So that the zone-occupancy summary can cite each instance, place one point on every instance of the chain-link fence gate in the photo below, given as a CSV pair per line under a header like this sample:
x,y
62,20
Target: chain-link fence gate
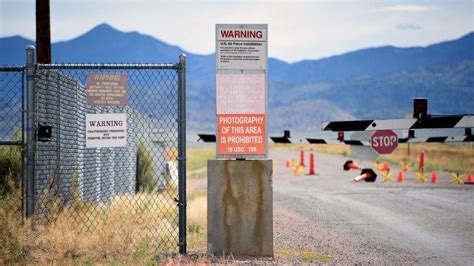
x,y
130,177
12,140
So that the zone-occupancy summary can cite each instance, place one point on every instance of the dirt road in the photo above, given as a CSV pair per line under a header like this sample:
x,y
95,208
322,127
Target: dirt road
x,y
371,222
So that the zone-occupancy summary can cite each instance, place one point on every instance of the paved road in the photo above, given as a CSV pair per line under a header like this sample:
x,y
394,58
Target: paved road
x,y
371,222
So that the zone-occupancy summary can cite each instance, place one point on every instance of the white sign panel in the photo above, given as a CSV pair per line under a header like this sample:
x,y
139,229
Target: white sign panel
x,y
106,130
242,47
240,93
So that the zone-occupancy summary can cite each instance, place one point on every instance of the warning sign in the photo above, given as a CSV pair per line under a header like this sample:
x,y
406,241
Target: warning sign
x,y
106,130
241,91
241,134
107,89
241,46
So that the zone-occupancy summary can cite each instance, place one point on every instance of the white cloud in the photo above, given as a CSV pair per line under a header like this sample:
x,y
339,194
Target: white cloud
x,y
407,8
407,26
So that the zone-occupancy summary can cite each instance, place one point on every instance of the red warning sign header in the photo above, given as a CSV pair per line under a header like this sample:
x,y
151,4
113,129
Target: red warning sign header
x,y
241,34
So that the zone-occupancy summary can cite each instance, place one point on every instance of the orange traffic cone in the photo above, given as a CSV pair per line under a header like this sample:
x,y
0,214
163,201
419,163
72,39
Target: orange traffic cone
x,y
400,177
384,167
422,161
469,179
312,170
348,165
367,174
405,167
302,156
434,178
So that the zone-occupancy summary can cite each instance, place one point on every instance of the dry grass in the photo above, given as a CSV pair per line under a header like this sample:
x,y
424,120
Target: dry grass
x,y
197,224
340,149
197,157
304,256
197,200
132,228
438,157
129,229
171,153
196,175
13,236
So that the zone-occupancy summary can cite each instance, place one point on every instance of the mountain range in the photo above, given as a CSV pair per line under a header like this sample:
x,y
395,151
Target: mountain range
x,y
371,83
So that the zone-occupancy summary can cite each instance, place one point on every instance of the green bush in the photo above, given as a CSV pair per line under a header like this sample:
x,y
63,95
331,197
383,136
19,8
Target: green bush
x,y
146,179
10,167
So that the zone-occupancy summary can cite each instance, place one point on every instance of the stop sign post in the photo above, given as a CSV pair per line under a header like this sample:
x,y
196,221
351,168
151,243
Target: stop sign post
x,y
384,141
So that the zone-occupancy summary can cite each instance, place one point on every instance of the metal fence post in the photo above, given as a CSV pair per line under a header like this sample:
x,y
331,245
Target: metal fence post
x,y
30,130
182,152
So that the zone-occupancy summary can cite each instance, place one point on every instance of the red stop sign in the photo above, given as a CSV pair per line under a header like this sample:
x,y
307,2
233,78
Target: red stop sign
x,y
384,141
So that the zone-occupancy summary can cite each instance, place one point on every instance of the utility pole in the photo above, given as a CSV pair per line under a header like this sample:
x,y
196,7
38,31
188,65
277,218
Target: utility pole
x,y
43,32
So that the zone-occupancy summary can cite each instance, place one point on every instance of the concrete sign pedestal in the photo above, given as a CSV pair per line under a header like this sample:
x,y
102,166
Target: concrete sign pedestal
x,y
240,207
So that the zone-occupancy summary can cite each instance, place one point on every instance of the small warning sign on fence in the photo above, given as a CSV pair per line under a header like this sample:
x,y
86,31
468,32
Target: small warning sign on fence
x,y
106,130
104,89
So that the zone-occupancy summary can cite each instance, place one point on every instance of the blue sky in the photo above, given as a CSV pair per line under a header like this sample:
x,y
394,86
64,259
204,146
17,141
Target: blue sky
x,y
297,29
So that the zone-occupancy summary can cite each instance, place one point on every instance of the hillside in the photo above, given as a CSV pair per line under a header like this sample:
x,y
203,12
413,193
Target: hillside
x,y
369,83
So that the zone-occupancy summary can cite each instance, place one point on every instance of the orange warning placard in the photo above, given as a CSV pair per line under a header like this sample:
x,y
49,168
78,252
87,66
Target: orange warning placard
x,y
241,134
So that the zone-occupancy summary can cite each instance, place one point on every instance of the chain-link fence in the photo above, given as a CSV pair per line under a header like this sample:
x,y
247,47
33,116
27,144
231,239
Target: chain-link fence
x,y
12,140
102,156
